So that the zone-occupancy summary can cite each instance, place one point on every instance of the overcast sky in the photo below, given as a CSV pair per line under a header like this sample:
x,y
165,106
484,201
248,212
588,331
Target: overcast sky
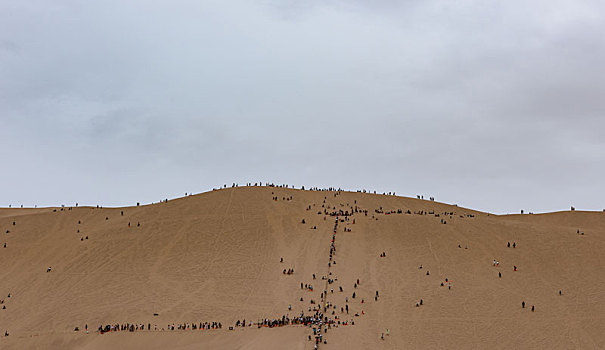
x,y
493,105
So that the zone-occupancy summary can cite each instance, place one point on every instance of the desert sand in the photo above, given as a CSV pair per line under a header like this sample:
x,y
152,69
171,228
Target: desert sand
x,y
217,257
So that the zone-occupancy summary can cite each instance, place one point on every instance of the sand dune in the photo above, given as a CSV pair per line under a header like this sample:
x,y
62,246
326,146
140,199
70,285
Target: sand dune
x,y
216,257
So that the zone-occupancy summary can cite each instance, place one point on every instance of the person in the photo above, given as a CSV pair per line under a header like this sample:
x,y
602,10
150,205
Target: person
x,y
532,308
499,274
49,269
523,304
514,268
514,244
559,292
508,245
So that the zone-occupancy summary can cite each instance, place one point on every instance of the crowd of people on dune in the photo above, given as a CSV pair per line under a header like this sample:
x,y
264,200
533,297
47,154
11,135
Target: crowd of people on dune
x,y
321,315
317,189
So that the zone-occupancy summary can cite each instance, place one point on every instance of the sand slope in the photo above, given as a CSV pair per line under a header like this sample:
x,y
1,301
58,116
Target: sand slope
x,y
216,257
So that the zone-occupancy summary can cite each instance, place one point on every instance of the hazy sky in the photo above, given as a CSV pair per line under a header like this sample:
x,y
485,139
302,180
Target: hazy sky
x,y
494,105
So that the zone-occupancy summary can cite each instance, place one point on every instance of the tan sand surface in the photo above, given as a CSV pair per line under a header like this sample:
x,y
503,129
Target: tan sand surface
x,y
216,257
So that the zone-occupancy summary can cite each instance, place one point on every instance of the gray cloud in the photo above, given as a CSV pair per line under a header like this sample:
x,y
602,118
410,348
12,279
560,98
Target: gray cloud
x,y
496,106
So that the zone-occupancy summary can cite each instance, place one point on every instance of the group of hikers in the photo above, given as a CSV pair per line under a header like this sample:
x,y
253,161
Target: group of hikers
x,y
132,327
2,302
317,189
8,231
276,198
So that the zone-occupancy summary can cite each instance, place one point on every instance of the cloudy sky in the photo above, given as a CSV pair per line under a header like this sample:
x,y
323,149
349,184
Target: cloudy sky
x,y
494,105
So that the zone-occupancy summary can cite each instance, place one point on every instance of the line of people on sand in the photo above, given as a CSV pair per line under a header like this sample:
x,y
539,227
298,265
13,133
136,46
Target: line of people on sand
x,y
317,331
317,308
2,302
276,198
315,189
380,210
308,287
338,213
134,327
8,231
